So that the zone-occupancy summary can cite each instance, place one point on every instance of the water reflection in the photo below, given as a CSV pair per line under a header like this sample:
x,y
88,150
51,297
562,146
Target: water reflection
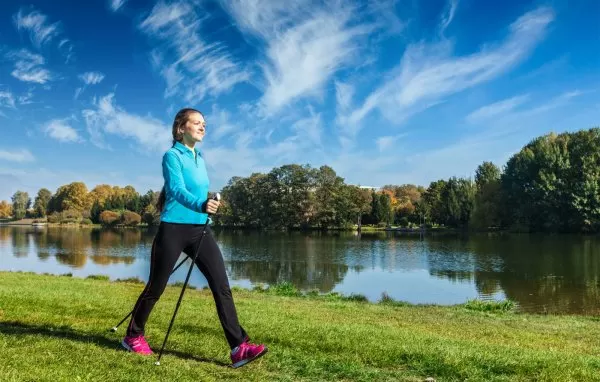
x,y
541,273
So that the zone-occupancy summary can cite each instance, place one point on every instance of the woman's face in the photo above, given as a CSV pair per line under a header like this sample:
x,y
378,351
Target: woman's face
x,y
195,128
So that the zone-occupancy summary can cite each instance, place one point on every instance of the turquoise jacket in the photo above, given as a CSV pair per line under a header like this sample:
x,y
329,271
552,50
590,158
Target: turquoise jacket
x,y
186,186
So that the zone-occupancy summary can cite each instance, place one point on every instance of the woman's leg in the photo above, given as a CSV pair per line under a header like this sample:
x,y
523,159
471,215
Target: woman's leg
x,y
166,248
210,262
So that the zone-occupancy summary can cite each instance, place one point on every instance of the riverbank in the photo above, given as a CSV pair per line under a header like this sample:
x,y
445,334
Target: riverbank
x,y
56,328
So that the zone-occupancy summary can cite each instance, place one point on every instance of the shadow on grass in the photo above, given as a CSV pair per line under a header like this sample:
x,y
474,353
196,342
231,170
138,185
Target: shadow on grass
x,y
65,332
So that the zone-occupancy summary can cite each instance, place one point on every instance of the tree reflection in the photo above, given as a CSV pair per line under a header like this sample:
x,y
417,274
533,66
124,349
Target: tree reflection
x,y
308,260
541,273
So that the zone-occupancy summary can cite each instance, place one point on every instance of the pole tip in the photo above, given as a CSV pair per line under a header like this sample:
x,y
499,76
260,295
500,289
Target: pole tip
x,y
114,329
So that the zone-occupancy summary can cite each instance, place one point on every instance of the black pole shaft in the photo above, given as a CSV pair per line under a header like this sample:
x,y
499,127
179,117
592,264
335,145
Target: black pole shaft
x,y
187,278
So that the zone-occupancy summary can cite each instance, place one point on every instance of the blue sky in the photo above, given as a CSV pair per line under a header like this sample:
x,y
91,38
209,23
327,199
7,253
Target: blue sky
x,y
383,91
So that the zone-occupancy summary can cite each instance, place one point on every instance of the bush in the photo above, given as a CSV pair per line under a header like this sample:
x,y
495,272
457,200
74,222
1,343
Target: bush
x,y
54,217
130,218
71,215
109,218
86,222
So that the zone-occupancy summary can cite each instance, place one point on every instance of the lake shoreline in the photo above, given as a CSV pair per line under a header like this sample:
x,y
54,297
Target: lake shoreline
x,y
66,328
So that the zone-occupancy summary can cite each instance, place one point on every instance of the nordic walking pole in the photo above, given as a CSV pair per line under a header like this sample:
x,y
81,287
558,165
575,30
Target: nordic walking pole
x,y
217,198
114,328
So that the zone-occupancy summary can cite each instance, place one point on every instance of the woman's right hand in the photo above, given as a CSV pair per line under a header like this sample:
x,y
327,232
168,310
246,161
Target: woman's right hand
x,y
212,206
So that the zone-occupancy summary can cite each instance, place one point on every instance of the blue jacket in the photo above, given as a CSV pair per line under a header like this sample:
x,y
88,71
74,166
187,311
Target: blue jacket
x,y
186,186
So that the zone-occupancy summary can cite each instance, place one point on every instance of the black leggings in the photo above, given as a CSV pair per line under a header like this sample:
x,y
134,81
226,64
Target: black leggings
x,y
172,239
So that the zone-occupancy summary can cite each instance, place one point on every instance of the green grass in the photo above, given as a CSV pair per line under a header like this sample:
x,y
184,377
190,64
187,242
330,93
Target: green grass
x,y
57,329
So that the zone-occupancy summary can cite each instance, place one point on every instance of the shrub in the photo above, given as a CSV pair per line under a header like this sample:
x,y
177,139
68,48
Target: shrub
x,y
130,218
109,218
71,215
86,221
54,217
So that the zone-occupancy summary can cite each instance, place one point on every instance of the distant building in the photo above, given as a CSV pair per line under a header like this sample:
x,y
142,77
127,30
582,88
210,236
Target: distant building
x,y
370,188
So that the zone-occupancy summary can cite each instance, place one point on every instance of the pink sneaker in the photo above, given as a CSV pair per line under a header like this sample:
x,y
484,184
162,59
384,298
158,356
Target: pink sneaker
x,y
245,353
136,345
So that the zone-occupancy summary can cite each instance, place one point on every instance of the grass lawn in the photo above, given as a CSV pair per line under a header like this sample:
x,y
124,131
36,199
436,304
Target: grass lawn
x,y
56,328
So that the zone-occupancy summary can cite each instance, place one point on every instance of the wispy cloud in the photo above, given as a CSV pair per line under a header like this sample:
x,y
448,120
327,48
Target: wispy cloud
x,y
41,31
116,4
191,67
429,72
61,130
220,124
386,142
22,155
7,99
29,67
91,78
108,118
88,78
25,99
496,108
306,44
448,15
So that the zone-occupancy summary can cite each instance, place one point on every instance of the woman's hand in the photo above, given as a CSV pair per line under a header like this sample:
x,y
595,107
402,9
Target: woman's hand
x,y
212,206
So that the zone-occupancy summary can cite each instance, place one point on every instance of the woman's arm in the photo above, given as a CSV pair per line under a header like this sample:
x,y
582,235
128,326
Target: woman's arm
x,y
174,182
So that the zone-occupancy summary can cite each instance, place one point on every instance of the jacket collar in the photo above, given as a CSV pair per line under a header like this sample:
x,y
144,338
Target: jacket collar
x,y
185,150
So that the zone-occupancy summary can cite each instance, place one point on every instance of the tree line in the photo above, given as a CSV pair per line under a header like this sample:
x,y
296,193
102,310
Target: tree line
x,y
73,203
551,185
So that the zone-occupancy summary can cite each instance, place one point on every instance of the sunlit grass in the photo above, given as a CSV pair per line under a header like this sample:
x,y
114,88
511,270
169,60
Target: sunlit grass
x,y
57,329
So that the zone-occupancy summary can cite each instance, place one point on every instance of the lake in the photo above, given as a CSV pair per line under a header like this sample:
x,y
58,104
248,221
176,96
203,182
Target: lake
x,y
541,273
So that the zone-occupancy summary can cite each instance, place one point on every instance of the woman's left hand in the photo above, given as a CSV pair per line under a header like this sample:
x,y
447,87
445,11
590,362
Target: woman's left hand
x,y
212,206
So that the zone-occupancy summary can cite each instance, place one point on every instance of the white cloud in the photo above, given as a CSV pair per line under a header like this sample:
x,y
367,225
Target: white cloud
x,y
91,78
21,155
307,44
219,124
29,67
7,99
386,142
108,118
116,4
448,16
36,23
427,73
191,67
496,108
61,131
25,99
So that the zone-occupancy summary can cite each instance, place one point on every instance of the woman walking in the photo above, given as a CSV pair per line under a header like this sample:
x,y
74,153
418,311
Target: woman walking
x,y
184,208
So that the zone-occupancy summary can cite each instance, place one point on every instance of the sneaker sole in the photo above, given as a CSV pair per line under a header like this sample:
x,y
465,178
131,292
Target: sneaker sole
x,y
248,360
129,348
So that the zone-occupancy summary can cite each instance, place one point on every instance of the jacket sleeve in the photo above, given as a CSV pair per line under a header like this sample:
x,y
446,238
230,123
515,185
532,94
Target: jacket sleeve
x,y
174,183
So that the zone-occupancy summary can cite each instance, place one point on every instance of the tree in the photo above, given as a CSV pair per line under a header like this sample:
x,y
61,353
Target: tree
x,y
73,196
553,184
20,204
433,200
328,189
486,209
486,173
40,204
6,210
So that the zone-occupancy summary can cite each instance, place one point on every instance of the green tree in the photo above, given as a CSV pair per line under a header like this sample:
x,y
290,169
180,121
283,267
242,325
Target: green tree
x,y
488,198
553,183
40,204
328,190
432,198
20,204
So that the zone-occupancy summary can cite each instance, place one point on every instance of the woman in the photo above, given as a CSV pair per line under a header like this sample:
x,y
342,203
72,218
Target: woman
x,y
184,207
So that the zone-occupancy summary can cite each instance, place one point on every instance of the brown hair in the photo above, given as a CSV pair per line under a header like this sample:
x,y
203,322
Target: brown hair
x,y
179,122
